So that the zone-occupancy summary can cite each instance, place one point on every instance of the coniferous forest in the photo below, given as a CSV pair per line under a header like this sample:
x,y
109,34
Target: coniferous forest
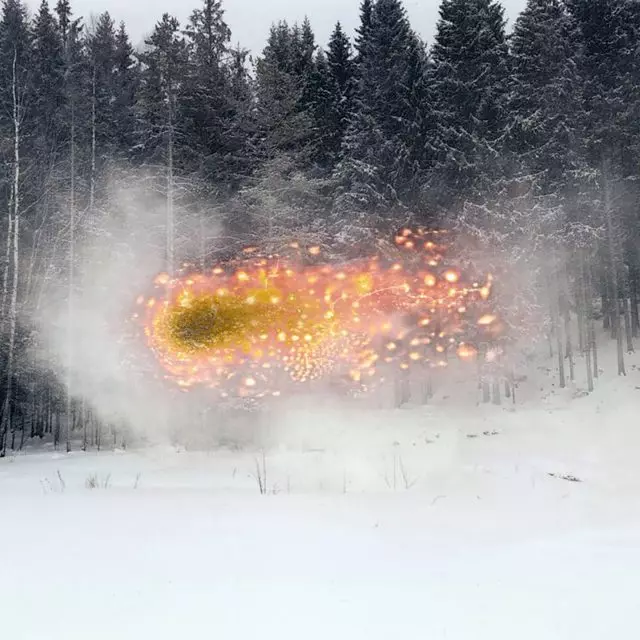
x,y
526,142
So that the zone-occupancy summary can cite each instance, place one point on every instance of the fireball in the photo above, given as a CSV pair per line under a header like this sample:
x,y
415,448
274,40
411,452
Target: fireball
x,y
259,326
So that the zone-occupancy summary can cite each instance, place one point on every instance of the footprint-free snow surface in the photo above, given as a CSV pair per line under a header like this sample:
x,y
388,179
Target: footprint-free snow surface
x,y
436,522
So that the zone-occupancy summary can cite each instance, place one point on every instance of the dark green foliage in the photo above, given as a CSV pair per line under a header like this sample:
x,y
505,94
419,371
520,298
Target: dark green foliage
x,y
164,67
469,85
284,82
385,153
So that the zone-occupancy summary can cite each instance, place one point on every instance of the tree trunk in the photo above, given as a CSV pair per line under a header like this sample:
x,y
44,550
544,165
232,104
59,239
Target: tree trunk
x,y
92,185
6,425
555,323
591,323
614,266
569,344
170,191
495,391
635,312
7,262
627,325
71,310
585,314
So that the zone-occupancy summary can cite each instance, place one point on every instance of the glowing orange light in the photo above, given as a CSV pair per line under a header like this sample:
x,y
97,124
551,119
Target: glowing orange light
x,y
270,314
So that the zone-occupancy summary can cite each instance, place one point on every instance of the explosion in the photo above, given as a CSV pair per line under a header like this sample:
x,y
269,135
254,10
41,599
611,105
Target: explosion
x,y
252,327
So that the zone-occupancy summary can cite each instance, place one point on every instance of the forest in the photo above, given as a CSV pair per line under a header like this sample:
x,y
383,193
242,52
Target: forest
x,y
524,142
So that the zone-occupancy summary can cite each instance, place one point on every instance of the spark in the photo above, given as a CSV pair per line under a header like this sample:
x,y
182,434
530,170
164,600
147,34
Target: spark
x,y
251,326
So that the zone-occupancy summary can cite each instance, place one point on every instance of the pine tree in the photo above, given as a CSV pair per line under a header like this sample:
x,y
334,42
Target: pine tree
x,y
78,156
470,73
164,61
336,88
363,30
101,45
206,106
48,85
609,31
47,145
241,133
530,219
384,149
284,100
64,13
324,108
545,98
125,86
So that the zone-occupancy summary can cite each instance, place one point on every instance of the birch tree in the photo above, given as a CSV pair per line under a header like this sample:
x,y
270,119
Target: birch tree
x,y
14,49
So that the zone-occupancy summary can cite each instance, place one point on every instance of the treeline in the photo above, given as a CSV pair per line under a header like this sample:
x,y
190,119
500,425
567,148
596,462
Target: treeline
x,y
527,144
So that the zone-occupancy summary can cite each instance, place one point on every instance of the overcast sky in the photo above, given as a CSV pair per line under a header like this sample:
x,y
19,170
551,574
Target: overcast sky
x,y
250,19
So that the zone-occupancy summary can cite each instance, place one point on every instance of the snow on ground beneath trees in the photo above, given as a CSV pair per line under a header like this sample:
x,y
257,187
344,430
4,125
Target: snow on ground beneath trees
x,y
450,521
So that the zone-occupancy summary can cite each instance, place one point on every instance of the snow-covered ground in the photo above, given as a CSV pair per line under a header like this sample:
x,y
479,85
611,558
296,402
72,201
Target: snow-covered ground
x,y
450,521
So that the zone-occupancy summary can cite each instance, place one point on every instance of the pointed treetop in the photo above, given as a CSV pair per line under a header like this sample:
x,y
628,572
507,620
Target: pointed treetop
x,y
209,33
362,32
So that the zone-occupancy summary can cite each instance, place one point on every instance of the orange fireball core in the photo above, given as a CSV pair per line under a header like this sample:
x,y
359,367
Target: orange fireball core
x,y
253,329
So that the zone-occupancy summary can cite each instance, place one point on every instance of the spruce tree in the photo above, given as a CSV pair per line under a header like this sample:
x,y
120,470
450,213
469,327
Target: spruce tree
x,y
545,103
284,77
338,86
161,139
324,108
362,32
101,49
241,134
164,62
126,82
384,151
205,105
470,73
48,84
609,32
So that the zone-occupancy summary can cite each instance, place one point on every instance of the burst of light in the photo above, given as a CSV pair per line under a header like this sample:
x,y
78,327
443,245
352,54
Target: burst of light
x,y
249,327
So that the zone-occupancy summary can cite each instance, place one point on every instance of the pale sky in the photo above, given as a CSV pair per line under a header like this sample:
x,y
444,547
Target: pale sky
x,y
250,19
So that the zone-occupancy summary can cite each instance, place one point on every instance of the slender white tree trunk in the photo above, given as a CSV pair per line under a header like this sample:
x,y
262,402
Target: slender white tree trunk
x,y
7,260
170,202
613,257
585,313
92,188
72,256
15,249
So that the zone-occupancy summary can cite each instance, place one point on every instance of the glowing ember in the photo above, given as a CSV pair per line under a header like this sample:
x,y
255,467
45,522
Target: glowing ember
x,y
250,329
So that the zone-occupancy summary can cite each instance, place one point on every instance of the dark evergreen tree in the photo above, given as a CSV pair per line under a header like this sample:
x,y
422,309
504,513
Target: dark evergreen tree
x,y
545,102
126,82
384,151
609,32
241,137
324,110
362,32
48,85
101,49
164,62
284,94
205,106
336,89
528,218
470,73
